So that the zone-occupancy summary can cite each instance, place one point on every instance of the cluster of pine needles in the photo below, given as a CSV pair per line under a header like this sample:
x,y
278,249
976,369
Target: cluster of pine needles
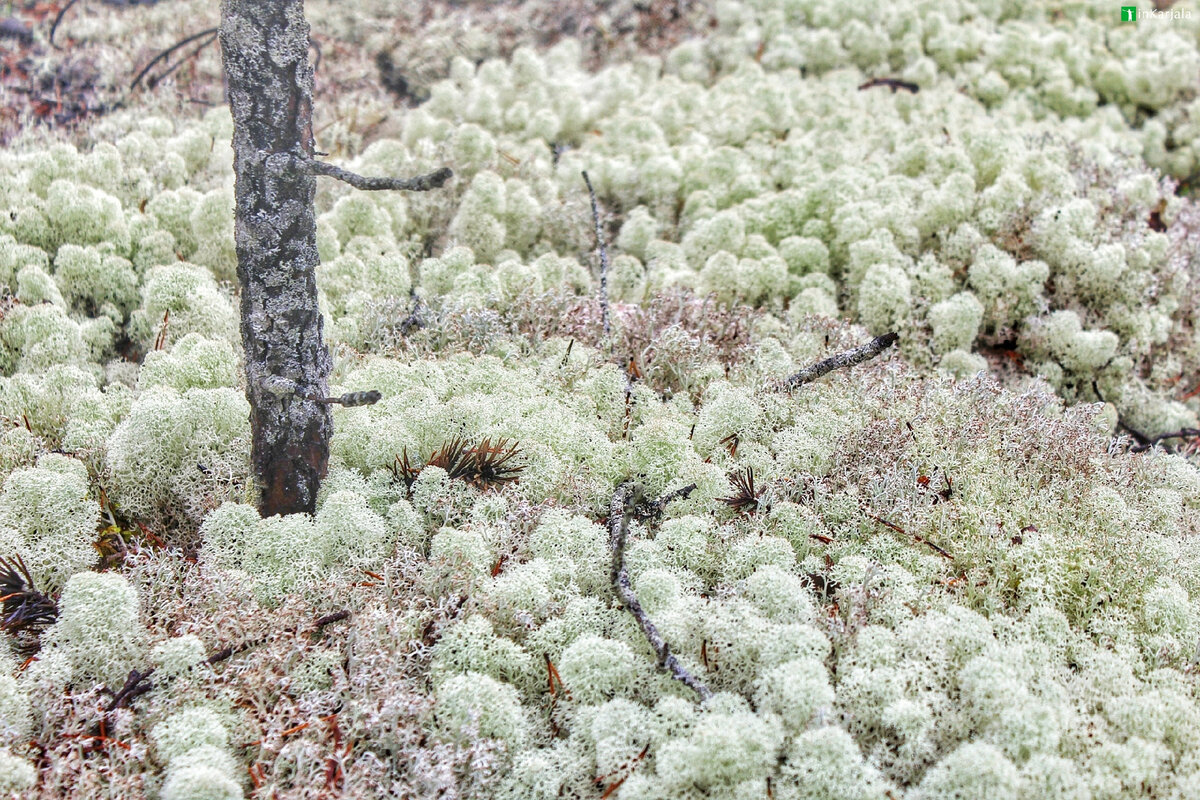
x,y
485,465
27,612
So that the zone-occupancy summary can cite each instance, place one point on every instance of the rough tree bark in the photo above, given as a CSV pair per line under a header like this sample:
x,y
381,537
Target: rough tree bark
x,y
264,46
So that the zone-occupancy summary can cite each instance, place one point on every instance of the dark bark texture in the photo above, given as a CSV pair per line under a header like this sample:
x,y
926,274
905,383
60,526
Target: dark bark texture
x,y
264,45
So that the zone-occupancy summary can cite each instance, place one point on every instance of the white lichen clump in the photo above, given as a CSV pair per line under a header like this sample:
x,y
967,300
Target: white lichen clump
x,y
931,576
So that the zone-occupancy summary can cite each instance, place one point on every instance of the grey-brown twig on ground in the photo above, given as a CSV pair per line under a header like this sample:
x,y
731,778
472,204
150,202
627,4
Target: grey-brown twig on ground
x,y
846,359
624,502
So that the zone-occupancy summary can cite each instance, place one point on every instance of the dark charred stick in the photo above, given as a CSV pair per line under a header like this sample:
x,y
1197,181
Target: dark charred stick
x,y
153,81
413,319
329,619
603,254
421,183
891,83
167,54
62,12
228,652
849,358
135,686
1149,443
620,512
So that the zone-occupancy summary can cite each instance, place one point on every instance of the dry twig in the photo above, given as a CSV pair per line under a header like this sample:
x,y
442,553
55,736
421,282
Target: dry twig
x,y
624,502
655,508
920,539
62,12
1149,443
849,358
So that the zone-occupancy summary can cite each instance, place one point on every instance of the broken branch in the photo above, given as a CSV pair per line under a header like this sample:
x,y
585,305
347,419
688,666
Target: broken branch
x,y
655,508
621,511
849,358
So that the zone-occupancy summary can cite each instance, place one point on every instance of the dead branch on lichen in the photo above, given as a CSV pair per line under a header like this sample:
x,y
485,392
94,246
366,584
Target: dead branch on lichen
x,y
917,537
654,508
58,18
849,358
603,256
1149,443
209,35
891,83
621,511
137,683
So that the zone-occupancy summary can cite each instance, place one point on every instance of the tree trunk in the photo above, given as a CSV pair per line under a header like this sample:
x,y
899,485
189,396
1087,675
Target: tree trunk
x,y
264,45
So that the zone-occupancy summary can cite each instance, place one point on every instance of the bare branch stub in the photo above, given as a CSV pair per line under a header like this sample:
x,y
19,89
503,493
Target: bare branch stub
x,y
624,504
421,183
849,358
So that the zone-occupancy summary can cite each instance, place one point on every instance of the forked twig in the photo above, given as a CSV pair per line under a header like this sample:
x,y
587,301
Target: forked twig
x,y
624,502
138,684
211,33
849,358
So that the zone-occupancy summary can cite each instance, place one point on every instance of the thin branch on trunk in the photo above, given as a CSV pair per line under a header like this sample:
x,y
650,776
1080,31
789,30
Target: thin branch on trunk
x,y
624,502
421,183
603,254
848,358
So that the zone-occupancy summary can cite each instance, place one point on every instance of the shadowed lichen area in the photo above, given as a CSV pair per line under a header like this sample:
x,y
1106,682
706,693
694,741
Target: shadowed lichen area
x,y
938,574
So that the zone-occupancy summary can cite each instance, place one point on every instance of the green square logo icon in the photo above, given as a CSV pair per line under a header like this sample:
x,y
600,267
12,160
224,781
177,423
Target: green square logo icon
x,y
1128,13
